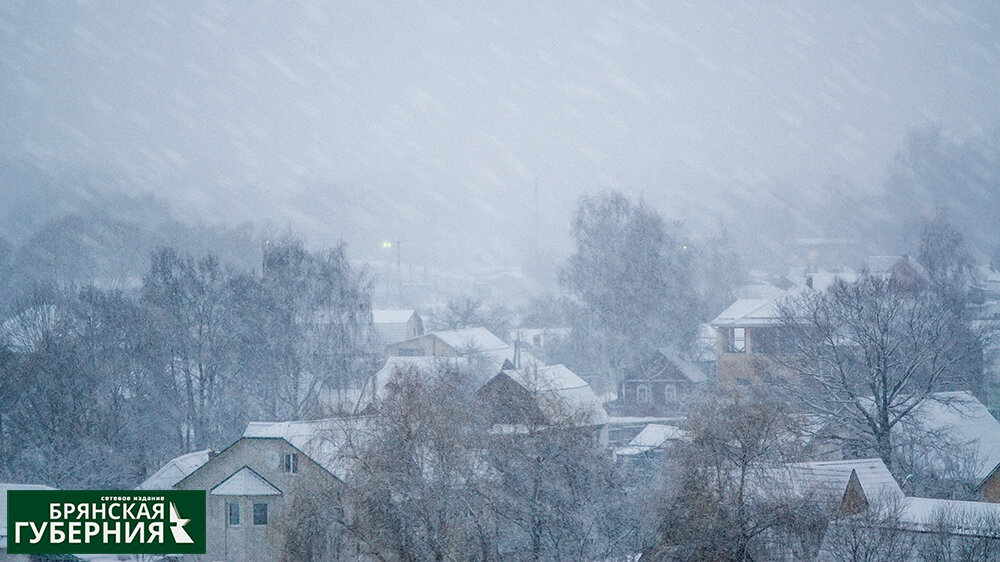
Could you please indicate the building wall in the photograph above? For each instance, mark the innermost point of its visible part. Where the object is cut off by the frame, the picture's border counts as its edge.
(989, 490)
(248, 541)
(414, 326)
(735, 368)
(658, 405)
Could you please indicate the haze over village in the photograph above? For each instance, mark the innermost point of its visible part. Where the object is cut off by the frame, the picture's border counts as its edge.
(549, 281)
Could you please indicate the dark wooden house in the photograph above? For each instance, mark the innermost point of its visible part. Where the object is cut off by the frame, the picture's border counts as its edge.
(662, 385)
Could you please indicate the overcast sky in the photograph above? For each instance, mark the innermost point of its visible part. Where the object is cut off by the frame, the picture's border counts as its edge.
(258, 112)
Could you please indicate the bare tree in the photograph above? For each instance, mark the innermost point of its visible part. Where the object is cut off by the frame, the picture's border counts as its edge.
(724, 502)
(865, 355)
(874, 535)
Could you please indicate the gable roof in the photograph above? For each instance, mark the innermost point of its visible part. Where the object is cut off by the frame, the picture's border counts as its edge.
(391, 325)
(329, 442)
(392, 316)
(689, 370)
(828, 479)
(748, 312)
(245, 482)
(421, 366)
(175, 470)
(970, 429)
(558, 392)
(653, 436)
(479, 339)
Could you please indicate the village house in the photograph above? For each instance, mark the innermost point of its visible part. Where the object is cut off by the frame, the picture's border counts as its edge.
(453, 343)
(539, 397)
(663, 385)
(916, 528)
(950, 440)
(394, 325)
(423, 369)
(748, 334)
(253, 484)
(904, 270)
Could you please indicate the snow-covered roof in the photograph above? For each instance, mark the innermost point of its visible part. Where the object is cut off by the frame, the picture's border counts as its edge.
(245, 482)
(969, 426)
(479, 339)
(175, 470)
(4, 487)
(653, 436)
(827, 480)
(687, 368)
(972, 433)
(421, 366)
(390, 325)
(329, 442)
(964, 517)
(748, 313)
(392, 316)
(560, 392)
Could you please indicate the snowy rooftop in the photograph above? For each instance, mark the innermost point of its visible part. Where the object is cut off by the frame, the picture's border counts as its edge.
(653, 436)
(828, 479)
(882, 265)
(687, 368)
(479, 339)
(972, 432)
(561, 392)
(175, 470)
(391, 325)
(748, 312)
(420, 366)
(392, 316)
(330, 442)
(925, 514)
(969, 425)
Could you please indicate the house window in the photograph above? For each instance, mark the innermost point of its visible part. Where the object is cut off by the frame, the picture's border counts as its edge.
(738, 340)
(670, 392)
(233, 510)
(260, 514)
(290, 463)
(642, 394)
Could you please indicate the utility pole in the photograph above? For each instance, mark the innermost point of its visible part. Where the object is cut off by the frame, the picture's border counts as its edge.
(399, 271)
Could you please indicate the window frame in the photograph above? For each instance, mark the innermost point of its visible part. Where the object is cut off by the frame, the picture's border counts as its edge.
(257, 511)
(230, 512)
(290, 463)
(669, 392)
(643, 394)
